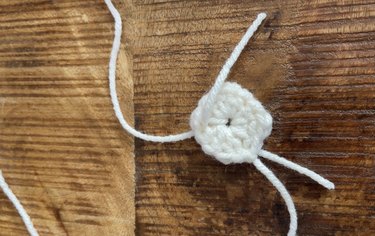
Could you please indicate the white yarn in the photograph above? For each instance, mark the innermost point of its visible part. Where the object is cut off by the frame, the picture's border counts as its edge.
(229, 64)
(283, 192)
(229, 123)
(302, 170)
(113, 92)
(236, 125)
(17, 204)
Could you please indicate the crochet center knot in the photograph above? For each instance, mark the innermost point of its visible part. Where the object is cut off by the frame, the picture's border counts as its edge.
(236, 125)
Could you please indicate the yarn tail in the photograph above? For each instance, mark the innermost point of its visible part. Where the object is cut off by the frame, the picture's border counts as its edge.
(283, 192)
(300, 169)
(281, 188)
(17, 204)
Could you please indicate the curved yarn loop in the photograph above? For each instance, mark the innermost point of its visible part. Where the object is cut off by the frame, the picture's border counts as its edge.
(113, 92)
(17, 204)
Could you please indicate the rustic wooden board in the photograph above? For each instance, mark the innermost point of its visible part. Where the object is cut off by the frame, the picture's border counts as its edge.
(61, 148)
(311, 64)
(65, 156)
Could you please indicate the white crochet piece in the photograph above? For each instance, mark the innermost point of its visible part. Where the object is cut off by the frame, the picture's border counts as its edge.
(236, 125)
(229, 124)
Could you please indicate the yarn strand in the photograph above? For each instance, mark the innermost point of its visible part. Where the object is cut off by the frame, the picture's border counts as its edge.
(300, 169)
(229, 64)
(17, 204)
(283, 192)
(112, 87)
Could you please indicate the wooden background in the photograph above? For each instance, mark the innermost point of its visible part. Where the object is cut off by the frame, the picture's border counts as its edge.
(67, 159)
(61, 148)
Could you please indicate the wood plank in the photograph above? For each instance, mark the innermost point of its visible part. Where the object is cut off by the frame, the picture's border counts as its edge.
(65, 156)
(312, 66)
(62, 150)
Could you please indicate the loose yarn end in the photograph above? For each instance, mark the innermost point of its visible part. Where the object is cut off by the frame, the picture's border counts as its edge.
(17, 204)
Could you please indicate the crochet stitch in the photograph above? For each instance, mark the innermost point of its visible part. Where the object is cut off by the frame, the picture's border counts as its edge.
(236, 125)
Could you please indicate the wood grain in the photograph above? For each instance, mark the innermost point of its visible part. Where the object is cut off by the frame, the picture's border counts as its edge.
(61, 148)
(311, 64)
(66, 158)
